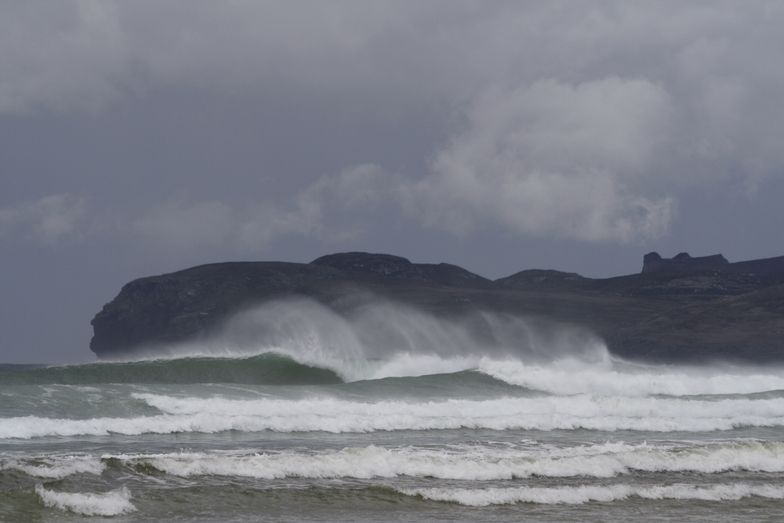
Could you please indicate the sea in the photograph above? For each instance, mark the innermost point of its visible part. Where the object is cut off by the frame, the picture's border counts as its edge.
(317, 423)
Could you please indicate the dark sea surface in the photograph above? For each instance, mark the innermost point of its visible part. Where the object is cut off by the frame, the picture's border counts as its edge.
(282, 436)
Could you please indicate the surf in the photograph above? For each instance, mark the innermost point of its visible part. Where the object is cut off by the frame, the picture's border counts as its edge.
(263, 369)
(383, 339)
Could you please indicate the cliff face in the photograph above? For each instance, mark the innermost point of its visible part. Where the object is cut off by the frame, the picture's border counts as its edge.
(679, 309)
(190, 303)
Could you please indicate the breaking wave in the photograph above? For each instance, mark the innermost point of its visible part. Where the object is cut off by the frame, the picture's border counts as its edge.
(356, 415)
(112, 503)
(299, 342)
(384, 339)
(471, 463)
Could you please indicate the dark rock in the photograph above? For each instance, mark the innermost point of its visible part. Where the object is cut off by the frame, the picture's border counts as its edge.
(380, 264)
(398, 267)
(191, 303)
(759, 267)
(652, 262)
(542, 279)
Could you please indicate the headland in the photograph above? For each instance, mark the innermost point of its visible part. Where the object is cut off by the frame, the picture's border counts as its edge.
(680, 309)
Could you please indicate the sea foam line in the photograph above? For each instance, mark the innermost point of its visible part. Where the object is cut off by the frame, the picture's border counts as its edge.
(588, 493)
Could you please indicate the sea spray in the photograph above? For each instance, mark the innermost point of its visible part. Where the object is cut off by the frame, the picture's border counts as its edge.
(299, 341)
(316, 336)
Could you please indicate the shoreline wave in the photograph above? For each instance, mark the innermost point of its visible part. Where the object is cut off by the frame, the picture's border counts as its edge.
(339, 415)
(562, 377)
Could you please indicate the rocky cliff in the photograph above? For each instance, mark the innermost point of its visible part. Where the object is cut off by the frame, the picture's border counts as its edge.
(679, 309)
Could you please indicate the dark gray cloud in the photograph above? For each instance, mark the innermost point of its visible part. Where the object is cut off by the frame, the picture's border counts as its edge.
(141, 137)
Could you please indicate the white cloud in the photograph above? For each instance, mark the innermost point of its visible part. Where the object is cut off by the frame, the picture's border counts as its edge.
(554, 159)
(48, 219)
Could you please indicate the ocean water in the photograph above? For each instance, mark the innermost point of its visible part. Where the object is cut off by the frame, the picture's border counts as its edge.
(308, 431)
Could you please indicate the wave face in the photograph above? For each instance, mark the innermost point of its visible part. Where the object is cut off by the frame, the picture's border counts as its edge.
(389, 415)
(264, 369)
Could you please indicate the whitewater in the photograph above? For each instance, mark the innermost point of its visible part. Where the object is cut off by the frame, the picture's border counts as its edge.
(295, 413)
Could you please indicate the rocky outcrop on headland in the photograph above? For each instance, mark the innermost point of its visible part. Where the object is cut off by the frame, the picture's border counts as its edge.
(679, 309)
(652, 262)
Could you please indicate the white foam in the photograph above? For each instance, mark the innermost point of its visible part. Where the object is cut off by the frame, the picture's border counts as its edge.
(56, 467)
(586, 494)
(113, 503)
(472, 463)
(543, 413)
(406, 364)
(569, 376)
(217, 414)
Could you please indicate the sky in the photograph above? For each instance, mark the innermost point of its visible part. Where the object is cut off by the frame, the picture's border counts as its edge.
(140, 138)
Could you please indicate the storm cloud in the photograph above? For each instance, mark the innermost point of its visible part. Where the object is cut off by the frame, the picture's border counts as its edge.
(169, 134)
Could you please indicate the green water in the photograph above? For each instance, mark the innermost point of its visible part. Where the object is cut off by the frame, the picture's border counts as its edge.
(265, 438)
